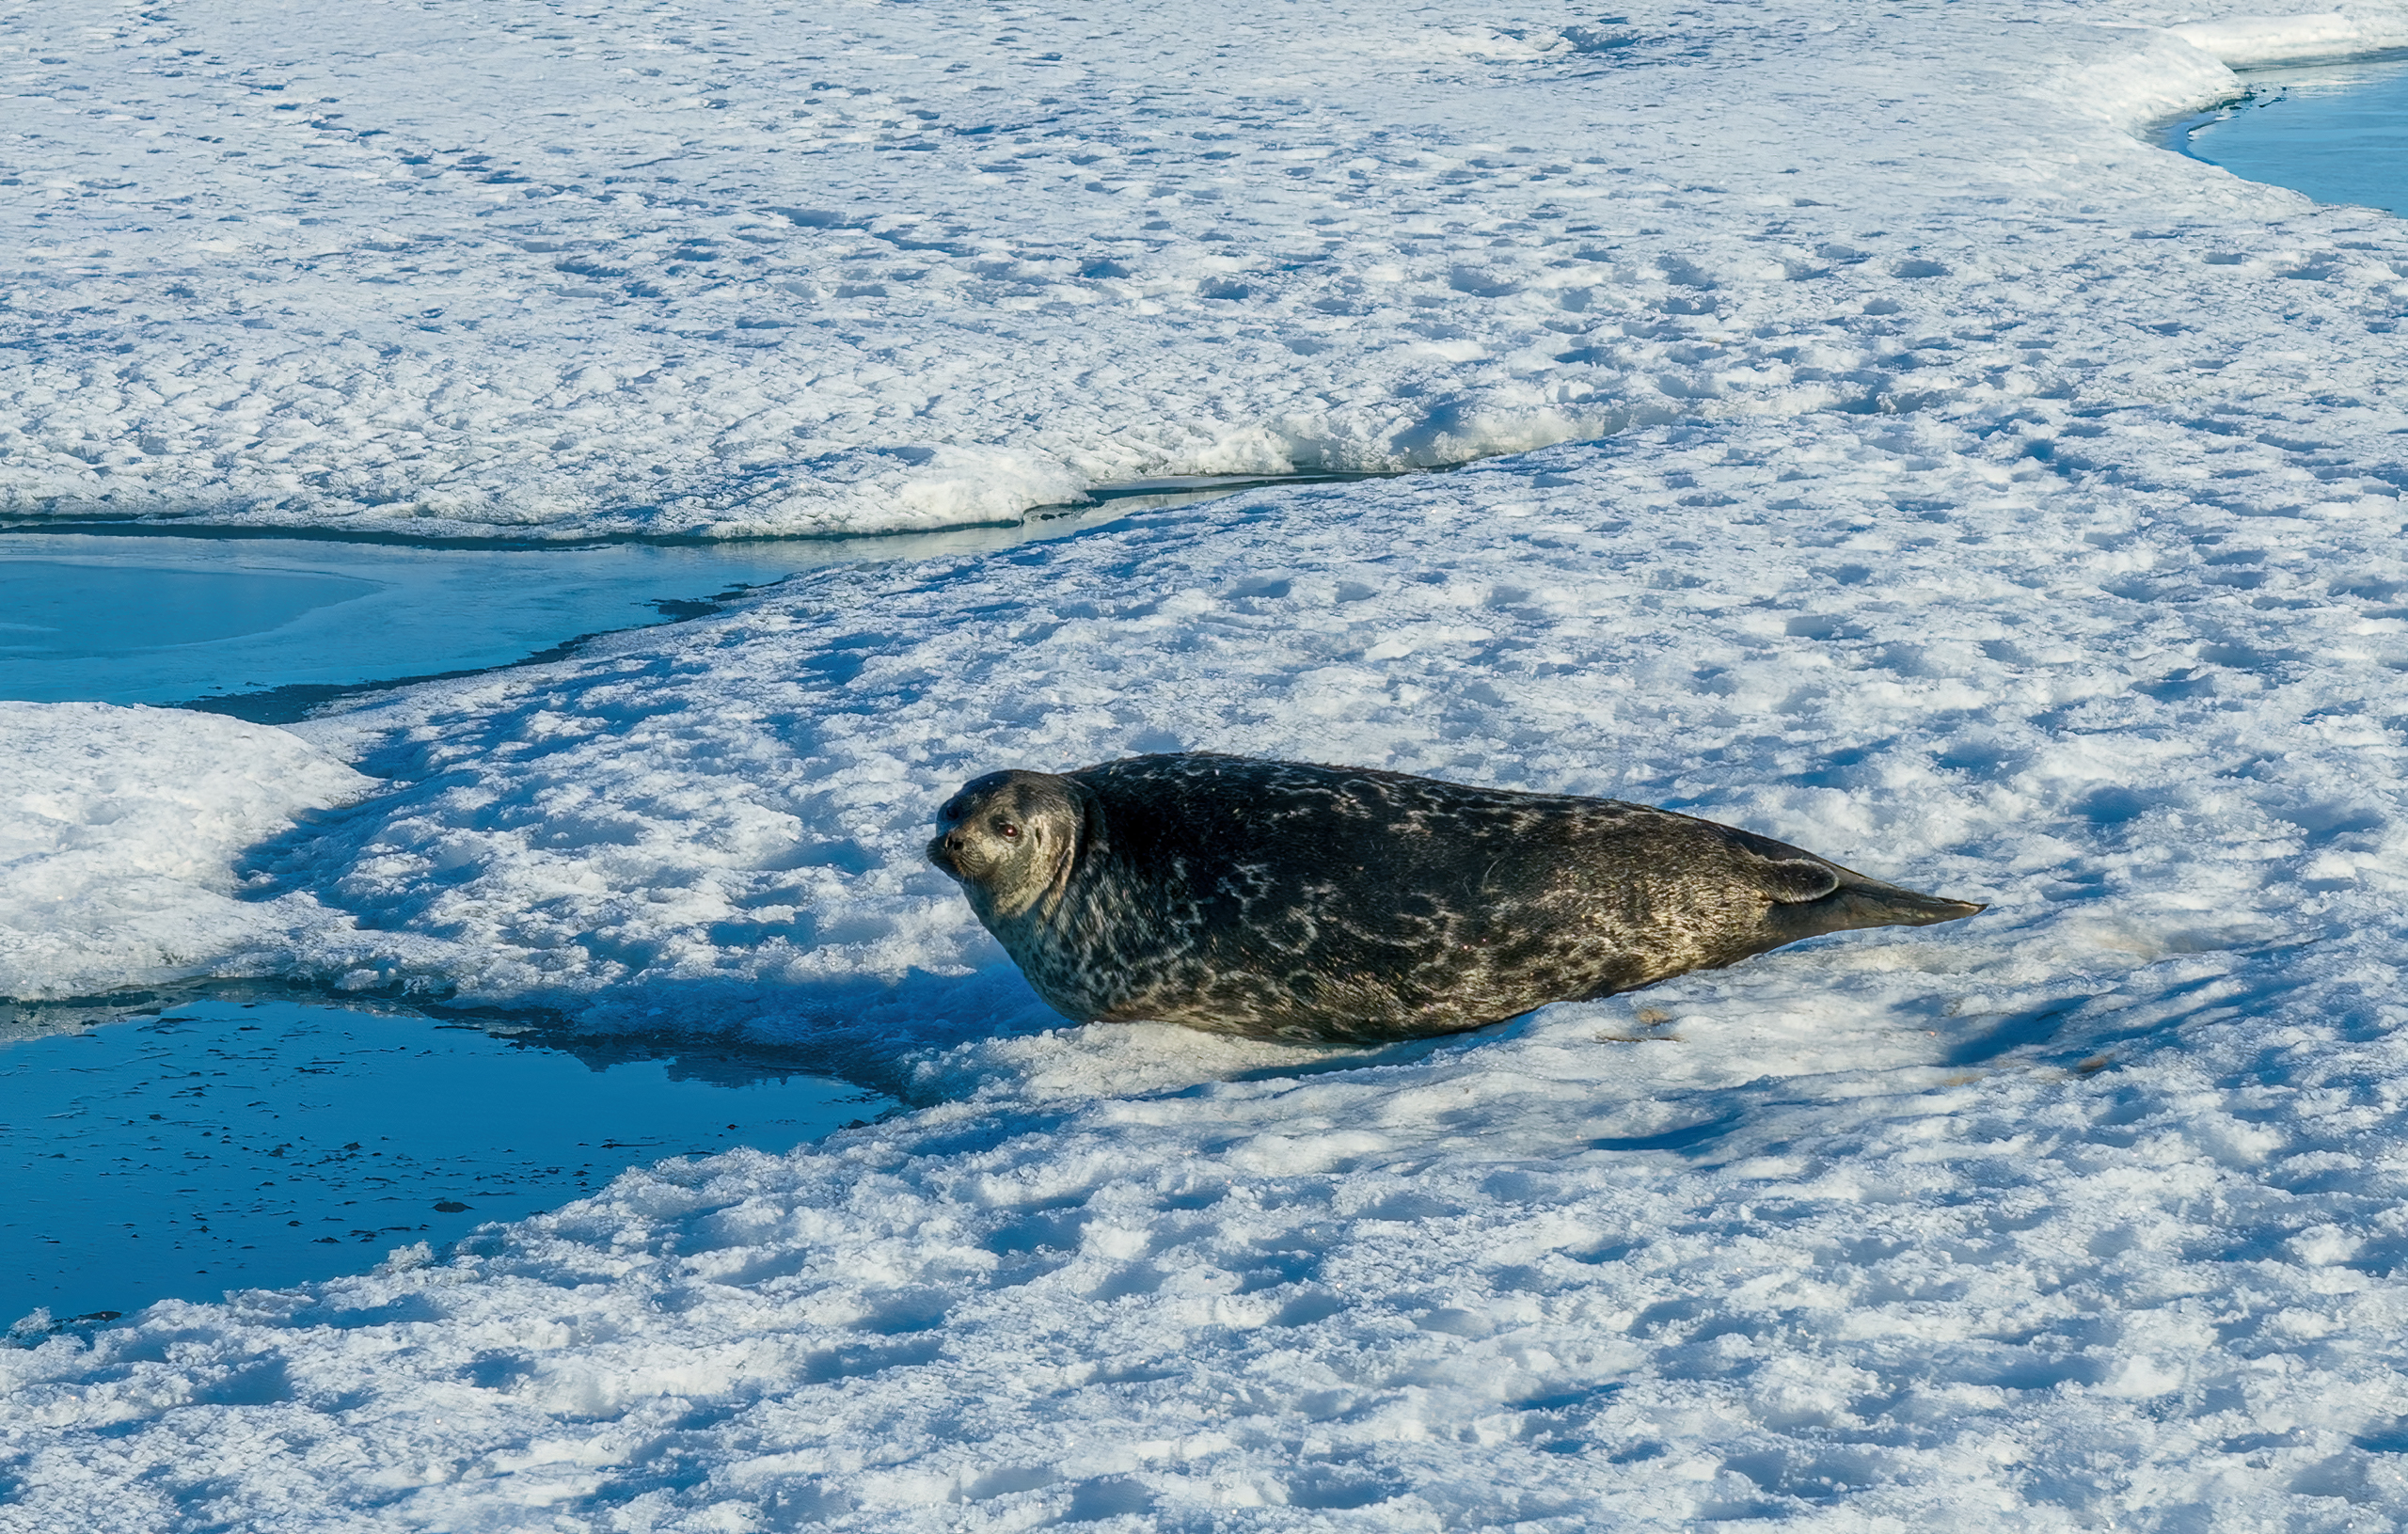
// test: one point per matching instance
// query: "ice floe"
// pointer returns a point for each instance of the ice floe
(1979, 494)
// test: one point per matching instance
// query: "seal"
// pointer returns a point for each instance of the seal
(1284, 900)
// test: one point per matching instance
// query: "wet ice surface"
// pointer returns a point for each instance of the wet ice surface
(220, 1146)
(160, 620)
(2336, 132)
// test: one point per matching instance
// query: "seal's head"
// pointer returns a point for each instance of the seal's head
(1008, 837)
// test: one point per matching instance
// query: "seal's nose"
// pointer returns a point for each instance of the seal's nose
(952, 841)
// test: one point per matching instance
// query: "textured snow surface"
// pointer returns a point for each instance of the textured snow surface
(2278, 39)
(117, 829)
(510, 267)
(2000, 505)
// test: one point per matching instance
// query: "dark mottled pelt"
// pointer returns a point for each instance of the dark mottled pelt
(1283, 900)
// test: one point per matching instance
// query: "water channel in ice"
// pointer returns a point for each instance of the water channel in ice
(269, 626)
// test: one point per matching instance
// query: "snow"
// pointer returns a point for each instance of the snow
(1979, 496)
(2243, 41)
(117, 829)
(513, 270)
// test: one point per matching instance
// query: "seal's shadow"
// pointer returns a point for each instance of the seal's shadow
(1316, 1060)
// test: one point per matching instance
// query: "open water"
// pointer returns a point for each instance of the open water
(2336, 132)
(223, 1145)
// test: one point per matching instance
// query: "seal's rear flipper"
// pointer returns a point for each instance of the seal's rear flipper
(1860, 902)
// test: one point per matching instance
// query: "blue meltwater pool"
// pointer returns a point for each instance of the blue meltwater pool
(227, 1144)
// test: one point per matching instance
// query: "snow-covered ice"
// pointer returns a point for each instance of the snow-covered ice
(2284, 39)
(118, 827)
(515, 268)
(1980, 495)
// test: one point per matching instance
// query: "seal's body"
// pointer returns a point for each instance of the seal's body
(1284, 900)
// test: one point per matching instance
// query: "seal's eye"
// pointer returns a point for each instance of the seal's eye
(1010, 832)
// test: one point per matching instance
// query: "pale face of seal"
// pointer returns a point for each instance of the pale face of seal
(1008, 838)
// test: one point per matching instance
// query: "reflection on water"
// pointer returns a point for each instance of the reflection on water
(2336, 132)
(165, 618)
(60, 610)
(221, 1145)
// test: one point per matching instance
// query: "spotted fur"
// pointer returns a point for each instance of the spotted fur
(1286, 900)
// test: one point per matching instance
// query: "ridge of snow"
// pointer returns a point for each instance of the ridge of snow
(2243, 40)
